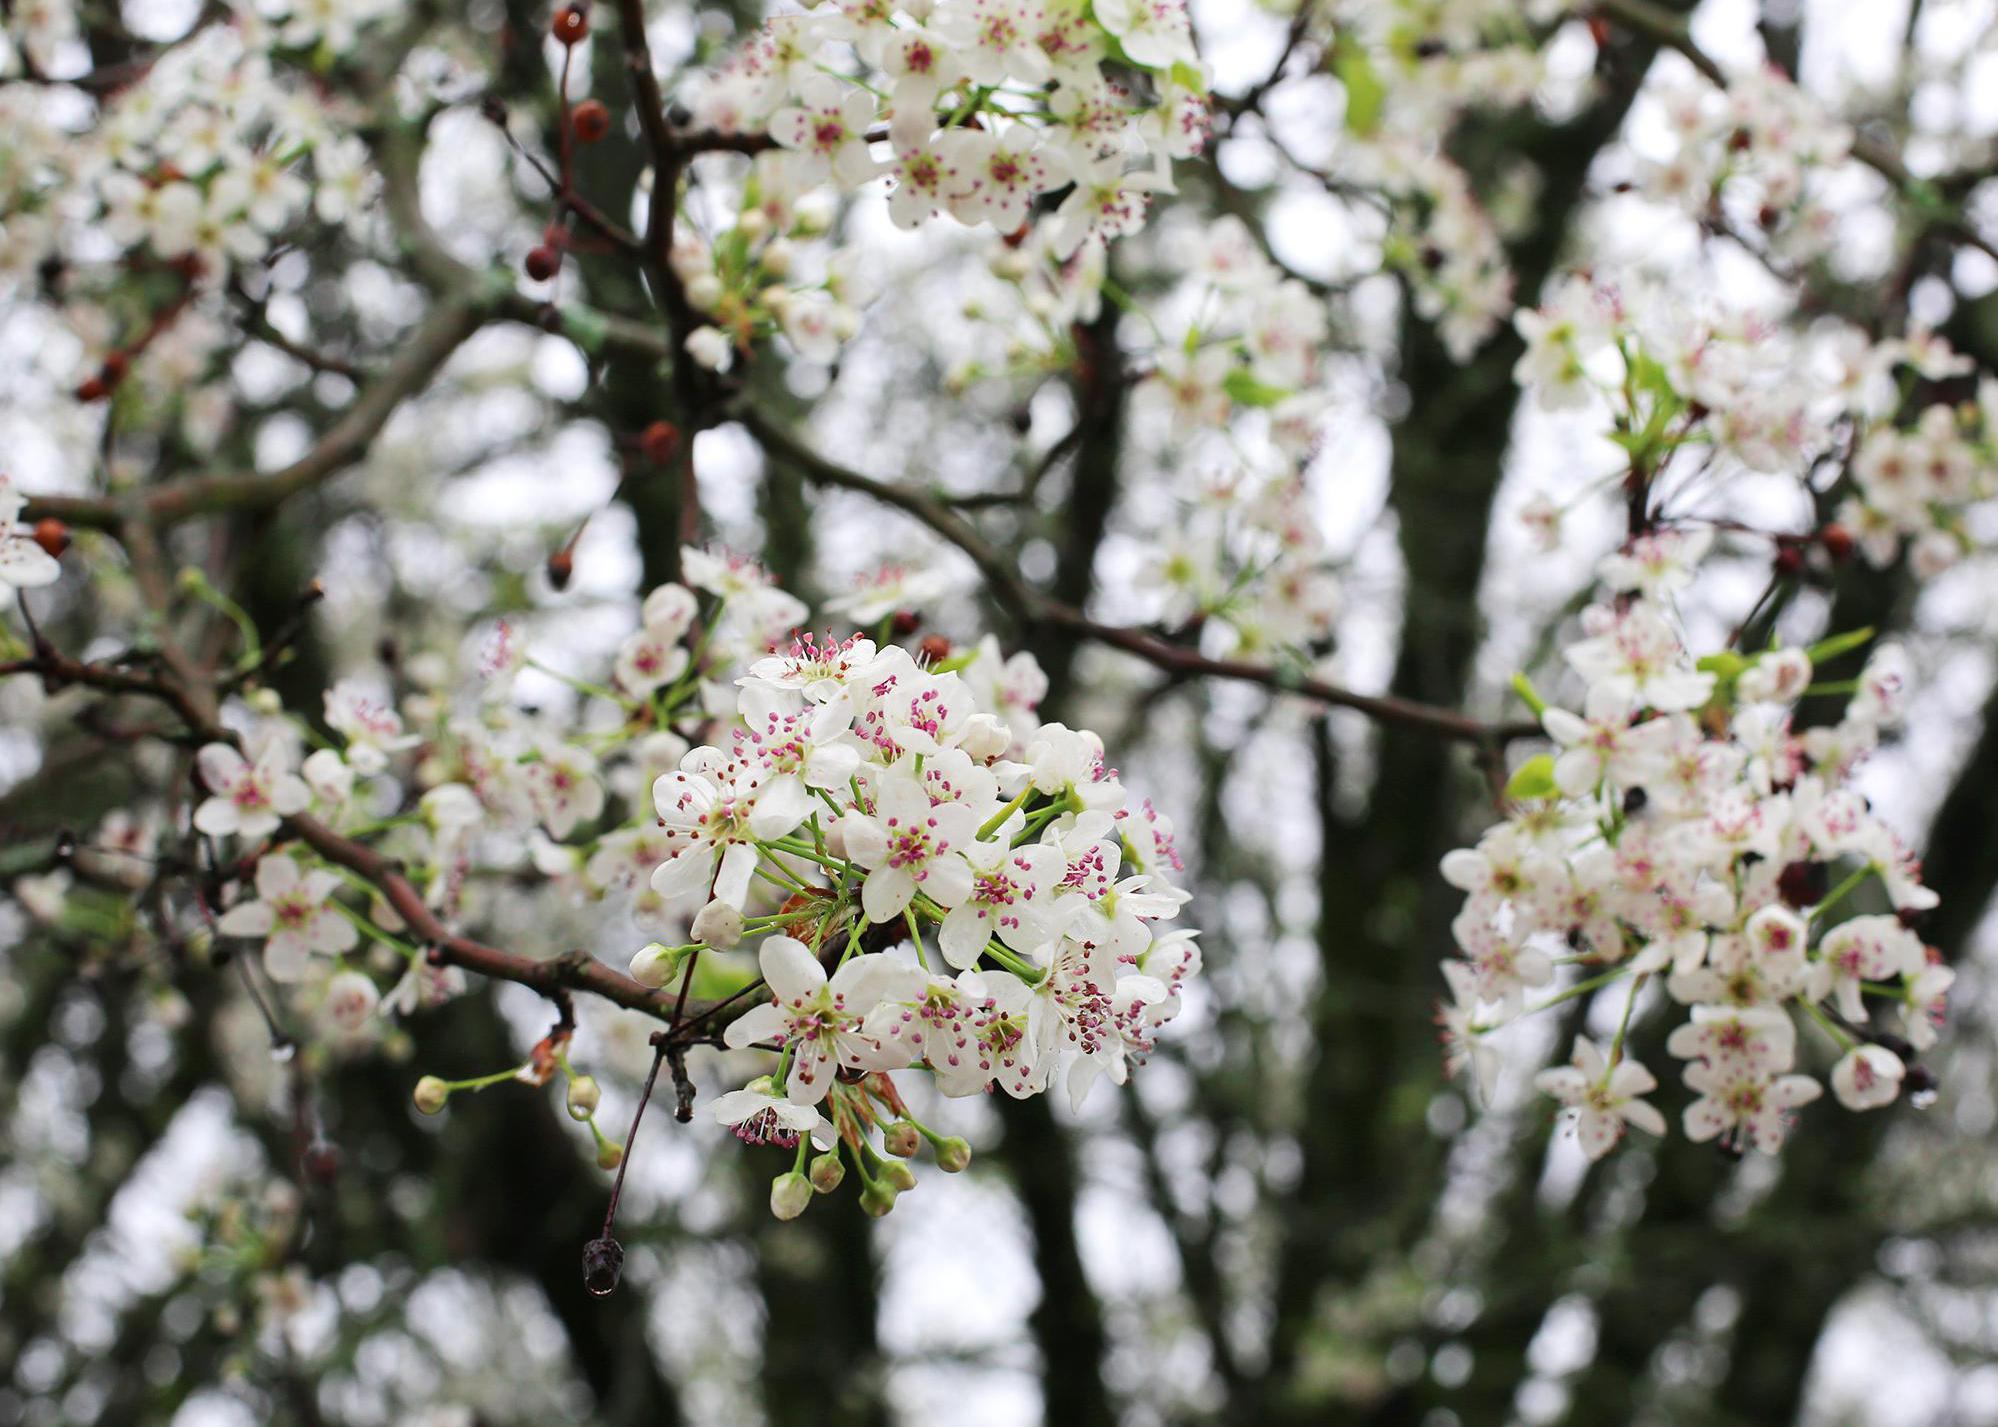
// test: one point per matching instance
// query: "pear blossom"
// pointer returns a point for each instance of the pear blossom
(1743, 1104)
(248, 799)
(293, 915)
(705, 808)
(758, 1115)
(566, 788)
(372, 729)
(1867, 1077)
(909, 844)
(1602, 1098)
(819, 1019)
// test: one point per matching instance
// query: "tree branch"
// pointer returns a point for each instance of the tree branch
(1033, 608)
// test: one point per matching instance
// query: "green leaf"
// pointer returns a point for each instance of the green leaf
(1532, 779)
(1241, 384)
(1834, 645)
(1728, 664)
(1365, 94)
(586, 327)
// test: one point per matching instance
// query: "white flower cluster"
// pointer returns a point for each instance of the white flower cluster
(1777, 402)
(218, 146)
(1685, 833)
(1760, 152)
(972, 108)
(875, 803)
(938, 879)
(1249, 558)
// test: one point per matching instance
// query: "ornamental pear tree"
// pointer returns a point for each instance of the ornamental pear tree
(1286, 681)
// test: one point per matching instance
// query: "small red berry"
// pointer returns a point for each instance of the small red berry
(591, 120)
(571, 23)
(561, 566)
(543, 263)
(660, 442)
(907, 621)
(1838, 543)
(1789, 560)
(52, 535)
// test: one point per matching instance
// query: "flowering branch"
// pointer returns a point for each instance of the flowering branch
(1036, 609)
(1675, 32)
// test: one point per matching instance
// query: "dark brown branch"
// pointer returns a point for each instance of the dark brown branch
(1034, 608)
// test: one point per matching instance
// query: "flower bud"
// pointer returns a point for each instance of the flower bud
(779, 258)
(877, 1198)
(266, 702)
(710, 348)
(583, 1097)
(953, 1155)
(985, 737)
(718, 925)
(431, 1094)
(827, 1172)
(902, 1139)
(704, 291)
(610, 1154)
(654, 965)
(789, 1194)
(898, 1176)
(753, 224)
(813, 213)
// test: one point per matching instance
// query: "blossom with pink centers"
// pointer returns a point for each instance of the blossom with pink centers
(1080, 1004)
(293, 916)
(1656, 565)
(1867, 1077)
(350, 1002)
(818, 670)
(797, 752)
(889, 589)
(650, 659)
(821, 1020)
(1605, 744)
(1639, 657)
(910, 844)
(248, 799)
(371, 726)
(758, 1114)
(994, 40)
(1745, 1106)
(566, 788)
(829, 126)
(1866, 949)
(1011, 897)
(970, 1030)
(996, 177)
(706, 808)
(1106, 203)
(1602, 1099)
